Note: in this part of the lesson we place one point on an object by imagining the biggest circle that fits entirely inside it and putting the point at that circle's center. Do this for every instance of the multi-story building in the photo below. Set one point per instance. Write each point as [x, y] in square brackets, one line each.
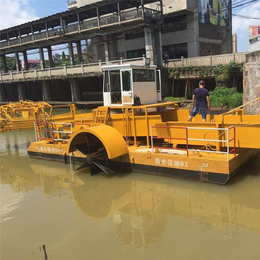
[190, 28]
[254, 38]
[79, 3]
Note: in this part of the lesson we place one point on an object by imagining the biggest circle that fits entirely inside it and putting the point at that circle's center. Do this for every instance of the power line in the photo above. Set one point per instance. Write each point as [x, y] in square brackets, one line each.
[246, 17]
[235, 5]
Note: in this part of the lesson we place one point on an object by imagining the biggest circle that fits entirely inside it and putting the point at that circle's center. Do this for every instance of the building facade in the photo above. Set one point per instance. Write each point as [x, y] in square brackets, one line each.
[254, 38]
[190, 28]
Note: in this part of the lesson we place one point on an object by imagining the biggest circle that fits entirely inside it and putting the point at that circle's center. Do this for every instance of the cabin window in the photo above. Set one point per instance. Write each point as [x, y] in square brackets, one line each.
[115, 80]
[106, 82]
[126, 79]
[158, 82]
[143, 75]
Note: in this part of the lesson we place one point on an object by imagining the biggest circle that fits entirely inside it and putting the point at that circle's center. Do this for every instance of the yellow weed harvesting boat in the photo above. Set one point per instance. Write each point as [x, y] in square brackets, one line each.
[135, 132]
[22, 115]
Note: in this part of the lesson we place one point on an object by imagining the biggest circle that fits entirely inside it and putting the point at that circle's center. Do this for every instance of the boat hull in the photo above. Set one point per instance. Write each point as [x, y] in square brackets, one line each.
[204, 168]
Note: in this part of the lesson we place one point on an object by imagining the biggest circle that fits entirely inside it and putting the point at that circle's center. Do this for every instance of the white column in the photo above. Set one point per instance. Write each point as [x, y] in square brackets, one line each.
[148, 37]
[71, 53]
[42, 58]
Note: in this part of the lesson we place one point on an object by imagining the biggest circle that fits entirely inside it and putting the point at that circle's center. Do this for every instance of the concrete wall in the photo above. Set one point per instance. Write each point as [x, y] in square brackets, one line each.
[171, 6]
[129, 45]
[185, 36]
[86, 2]
[254, 44]
[252, 83]
[188, 36]
[192, 5]
[201, 39]
[219, 37]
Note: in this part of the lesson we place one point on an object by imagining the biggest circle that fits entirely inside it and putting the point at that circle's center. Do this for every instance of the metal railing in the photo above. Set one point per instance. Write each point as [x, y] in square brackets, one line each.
[31, 75]
[152, 14]
[130, 14]
[187, 139]
[60, 132]
[109, 19]
[81, 123]
[213, 60]
[43, 127]
[52, 131]
[85, 25]
[170, 138]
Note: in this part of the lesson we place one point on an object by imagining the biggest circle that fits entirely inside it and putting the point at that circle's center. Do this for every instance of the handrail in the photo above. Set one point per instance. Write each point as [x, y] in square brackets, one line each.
[53, 133]
[227, 141]
[62, 131]
[213, 60]
[171, 138]
[14, 76]
[63, 30]
[38, 130]
[237, 108]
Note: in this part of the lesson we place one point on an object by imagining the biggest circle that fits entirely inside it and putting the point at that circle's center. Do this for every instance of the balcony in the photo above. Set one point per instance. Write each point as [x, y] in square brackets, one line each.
[73, 71]
[88, 25]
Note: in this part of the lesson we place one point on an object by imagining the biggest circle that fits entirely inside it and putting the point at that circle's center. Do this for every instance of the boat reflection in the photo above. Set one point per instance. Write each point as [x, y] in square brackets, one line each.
[142, 206]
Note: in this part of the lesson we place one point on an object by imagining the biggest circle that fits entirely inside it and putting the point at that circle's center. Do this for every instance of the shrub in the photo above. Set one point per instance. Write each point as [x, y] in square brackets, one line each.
[222, 96]
[174, 99]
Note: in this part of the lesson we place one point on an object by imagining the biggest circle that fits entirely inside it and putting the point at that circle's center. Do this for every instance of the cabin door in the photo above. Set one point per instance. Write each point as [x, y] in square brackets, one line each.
[106, 89]
[115, 87]
[112, 93]
[127, 88]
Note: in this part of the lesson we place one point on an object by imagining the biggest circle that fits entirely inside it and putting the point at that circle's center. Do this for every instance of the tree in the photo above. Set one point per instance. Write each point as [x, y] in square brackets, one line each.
[64, 61]
[10, 62]
[63, 56]
[47, 64]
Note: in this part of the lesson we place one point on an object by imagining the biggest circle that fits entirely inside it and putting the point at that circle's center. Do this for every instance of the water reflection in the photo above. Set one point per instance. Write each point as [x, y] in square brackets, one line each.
[141, 206]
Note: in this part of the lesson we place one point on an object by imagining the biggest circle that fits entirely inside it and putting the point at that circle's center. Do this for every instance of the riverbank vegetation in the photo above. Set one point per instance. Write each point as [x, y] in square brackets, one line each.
[224, 74]
[219, 97]
[175, 99]
[222, 96]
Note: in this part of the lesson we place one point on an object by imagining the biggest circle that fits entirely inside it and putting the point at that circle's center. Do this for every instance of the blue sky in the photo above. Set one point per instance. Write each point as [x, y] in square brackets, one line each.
[14, 12]
[49, 7]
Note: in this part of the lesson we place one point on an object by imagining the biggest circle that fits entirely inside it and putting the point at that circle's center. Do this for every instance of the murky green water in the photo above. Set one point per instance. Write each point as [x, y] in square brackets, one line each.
[130, 216]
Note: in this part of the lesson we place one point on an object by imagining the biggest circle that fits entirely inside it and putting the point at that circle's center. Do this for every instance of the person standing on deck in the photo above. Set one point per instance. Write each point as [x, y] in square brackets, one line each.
[202, 102]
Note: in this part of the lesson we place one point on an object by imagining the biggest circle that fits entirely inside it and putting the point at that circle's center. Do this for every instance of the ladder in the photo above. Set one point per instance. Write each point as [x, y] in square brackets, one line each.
[101, 116]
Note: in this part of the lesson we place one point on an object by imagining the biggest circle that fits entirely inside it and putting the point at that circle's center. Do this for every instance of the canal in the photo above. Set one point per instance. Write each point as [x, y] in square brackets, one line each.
[126, 216]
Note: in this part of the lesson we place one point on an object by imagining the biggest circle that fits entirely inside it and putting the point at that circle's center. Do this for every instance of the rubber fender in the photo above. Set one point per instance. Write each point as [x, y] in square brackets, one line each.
[112, 140]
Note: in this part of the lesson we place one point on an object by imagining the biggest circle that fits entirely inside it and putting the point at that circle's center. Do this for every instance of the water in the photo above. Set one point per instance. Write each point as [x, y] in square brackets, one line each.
[128, 216]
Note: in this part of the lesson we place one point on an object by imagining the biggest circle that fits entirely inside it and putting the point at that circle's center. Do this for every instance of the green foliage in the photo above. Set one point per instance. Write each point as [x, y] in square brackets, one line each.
[174, 73]
[222, 96]
[63, 56]
[47, 64]
[64, 61]
[10, 62]
[175, 99]
[225, 73]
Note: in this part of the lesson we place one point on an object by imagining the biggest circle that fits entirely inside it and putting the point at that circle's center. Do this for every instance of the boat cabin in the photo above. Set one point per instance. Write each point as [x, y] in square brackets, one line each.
[128, 85]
